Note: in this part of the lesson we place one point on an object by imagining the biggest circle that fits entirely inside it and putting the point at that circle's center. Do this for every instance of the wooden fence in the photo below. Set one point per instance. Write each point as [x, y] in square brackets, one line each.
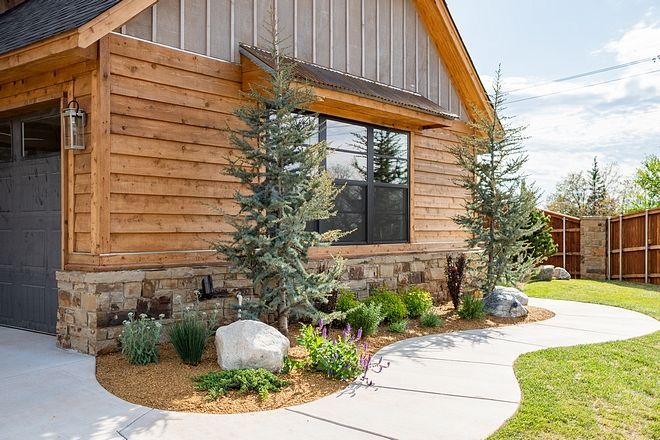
[634, 247]
[566, 233]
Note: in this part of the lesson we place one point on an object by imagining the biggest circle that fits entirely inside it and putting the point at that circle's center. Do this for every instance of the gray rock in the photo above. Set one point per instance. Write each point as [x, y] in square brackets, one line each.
[544, 273]
[560, 273]
[520, 296]
[250, 344]
[503, 305]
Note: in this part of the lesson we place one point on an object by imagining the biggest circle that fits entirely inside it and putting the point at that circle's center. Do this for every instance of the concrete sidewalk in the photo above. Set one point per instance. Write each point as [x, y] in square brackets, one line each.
[456, 385]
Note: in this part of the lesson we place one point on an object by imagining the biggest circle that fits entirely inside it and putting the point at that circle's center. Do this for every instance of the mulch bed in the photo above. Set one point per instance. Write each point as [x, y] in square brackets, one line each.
[168, 385]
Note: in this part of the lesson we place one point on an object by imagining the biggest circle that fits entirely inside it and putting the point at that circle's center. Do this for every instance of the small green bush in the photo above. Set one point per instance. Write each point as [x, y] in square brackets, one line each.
[398, 327]
[339, 358]
[218, 383]
[190, 334]
[139, 339]
[391, 304]
[417, 301]
[366, 317]
[471, 308]
[346, 301]
[431, 319]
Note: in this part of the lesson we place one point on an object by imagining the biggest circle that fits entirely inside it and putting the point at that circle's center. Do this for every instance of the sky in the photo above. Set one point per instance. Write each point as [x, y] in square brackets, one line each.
[539, 41]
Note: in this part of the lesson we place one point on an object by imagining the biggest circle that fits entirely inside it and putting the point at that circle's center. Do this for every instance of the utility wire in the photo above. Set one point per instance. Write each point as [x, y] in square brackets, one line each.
[591, 72]
[583, 87]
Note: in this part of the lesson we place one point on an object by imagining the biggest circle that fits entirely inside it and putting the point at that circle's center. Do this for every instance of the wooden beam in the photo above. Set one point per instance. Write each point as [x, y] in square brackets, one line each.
[40, 50]
[109, 20]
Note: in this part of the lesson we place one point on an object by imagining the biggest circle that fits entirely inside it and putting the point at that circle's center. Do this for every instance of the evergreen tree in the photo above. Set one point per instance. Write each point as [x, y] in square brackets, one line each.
[540, 242]
[597, 191]
[499, 203]
[285, 188]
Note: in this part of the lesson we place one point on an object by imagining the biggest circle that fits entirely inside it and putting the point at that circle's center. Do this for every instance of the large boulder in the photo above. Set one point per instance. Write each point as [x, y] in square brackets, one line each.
[544, 273]
[520, 296]
[560, 273]
[250, 344]
[504, 305]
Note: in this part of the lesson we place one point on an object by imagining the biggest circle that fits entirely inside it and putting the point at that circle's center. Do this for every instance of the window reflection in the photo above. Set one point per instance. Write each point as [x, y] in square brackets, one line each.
[5, 141]
[41, 136]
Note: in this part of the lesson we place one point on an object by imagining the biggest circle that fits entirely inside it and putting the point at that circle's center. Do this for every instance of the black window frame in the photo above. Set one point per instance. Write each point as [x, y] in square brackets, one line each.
[370, 183]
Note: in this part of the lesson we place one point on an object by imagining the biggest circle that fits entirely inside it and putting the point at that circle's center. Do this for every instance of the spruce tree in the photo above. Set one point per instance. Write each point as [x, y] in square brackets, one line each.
[499, 203]
[285, 188]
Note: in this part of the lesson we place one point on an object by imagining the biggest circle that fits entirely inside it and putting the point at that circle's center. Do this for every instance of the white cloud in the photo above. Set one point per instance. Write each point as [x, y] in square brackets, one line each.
[617, 122]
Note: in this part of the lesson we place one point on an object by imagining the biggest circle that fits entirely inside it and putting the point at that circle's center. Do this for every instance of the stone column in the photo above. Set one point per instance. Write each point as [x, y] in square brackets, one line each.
[593, 248]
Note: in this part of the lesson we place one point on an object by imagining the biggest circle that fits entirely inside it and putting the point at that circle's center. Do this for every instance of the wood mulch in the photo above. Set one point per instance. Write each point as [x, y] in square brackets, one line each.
[168, 385]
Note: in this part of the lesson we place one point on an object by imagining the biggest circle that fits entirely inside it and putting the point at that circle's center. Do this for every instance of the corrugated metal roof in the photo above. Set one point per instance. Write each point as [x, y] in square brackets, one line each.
[335, 79]
[36, 20]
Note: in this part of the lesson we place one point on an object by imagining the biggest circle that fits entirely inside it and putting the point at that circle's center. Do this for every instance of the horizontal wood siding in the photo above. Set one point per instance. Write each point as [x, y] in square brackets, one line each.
[169, 153]
[168, 148]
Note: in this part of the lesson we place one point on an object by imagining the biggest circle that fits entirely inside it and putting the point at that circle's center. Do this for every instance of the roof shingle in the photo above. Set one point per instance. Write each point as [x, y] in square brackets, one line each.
[36, 20]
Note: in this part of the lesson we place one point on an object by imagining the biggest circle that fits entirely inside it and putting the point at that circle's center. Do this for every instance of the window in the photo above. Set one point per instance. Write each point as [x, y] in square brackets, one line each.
[372, 165]
[30, 135]
[5, 141]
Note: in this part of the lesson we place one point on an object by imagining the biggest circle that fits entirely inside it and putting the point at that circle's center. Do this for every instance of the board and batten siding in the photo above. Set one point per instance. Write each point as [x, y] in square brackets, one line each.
[169, 153]
[383, 40]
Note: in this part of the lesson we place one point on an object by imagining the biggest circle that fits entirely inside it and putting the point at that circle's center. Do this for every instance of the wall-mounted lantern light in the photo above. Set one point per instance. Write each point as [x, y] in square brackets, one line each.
[73, 122]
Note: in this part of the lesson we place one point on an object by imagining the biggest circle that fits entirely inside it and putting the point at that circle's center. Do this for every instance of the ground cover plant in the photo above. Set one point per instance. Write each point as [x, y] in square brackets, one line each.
[471, 307]
[607, 390]
[219, 383]
[430, 319]
[139, 339]
[398, 327]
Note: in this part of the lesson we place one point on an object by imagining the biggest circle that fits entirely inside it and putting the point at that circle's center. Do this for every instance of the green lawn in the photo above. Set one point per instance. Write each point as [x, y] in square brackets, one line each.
[601, 391]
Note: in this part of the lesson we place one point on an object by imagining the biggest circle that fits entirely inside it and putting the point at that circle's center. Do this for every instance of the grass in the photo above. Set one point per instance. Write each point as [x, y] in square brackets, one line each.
[643, 298]
[600, 391]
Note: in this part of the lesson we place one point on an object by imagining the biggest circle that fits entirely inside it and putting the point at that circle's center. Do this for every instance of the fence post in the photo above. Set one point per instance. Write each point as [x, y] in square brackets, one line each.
[563, 242]
[609, 248]
[646, 246]
[620, 247]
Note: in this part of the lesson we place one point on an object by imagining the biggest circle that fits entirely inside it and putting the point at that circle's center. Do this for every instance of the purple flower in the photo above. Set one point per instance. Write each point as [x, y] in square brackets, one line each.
[359, 334]
[321, 324]
[324, 333]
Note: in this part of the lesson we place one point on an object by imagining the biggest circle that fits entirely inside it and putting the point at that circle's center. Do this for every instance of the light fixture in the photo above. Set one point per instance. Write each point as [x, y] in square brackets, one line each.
[73, 121]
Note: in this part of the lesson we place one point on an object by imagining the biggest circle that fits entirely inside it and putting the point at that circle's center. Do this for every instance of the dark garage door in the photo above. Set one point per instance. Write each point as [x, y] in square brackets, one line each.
[29, 220]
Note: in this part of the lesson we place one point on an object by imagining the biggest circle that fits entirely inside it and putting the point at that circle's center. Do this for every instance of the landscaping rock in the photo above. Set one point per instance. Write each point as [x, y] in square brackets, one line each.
[250, 344]
[503, 305]
[520, 296]
[544, 273]
[560, 273]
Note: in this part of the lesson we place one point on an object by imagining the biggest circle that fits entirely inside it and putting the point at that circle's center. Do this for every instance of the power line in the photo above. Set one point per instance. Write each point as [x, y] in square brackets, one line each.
[589, 73]
[583, 87]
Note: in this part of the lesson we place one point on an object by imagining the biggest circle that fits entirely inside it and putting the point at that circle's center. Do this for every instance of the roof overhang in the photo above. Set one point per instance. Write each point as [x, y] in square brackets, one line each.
[349, 96]
[77, 39]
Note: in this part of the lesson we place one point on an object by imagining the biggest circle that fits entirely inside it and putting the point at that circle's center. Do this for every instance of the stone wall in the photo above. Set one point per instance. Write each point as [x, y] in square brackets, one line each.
[593, 248]
[93, 305]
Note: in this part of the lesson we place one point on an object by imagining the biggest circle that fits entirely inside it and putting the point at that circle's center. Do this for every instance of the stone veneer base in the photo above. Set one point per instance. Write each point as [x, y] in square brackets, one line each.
[93, 305]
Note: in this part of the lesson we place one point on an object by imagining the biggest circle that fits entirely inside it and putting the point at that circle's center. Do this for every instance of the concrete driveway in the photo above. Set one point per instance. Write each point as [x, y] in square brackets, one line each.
[456, 385]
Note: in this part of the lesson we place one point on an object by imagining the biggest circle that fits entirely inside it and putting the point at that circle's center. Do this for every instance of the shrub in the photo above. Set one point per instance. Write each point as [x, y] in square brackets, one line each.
[189, 335]
[398, 327]
[339, 358]
[471, 308]
[392, 305]
[218, 383]
[139, 339]
[417, 301]
[346, 301]
[366, 317]
[454, 274]
[431, 319]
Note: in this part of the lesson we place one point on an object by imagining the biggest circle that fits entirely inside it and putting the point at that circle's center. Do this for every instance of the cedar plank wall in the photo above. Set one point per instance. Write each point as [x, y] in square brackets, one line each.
[168, 154]
[67, 78]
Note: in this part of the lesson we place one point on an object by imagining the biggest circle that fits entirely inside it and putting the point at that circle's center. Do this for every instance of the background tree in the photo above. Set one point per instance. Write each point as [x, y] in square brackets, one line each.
[647, 183]
[594, 192]
[540, 242]
[285, 188]
[499, 203]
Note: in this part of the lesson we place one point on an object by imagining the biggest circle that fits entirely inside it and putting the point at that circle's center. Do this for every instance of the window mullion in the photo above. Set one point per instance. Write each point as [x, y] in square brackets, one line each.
[370, 184]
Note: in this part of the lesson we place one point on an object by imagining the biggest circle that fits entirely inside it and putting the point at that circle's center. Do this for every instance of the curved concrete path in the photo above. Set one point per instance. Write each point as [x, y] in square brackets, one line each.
[455, 385]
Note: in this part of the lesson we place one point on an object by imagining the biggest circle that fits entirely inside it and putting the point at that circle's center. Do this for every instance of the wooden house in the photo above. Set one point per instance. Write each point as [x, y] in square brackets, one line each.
[87, 235]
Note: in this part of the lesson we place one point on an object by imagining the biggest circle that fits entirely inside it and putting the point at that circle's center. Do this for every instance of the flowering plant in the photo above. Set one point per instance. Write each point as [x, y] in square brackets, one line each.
[139, 339]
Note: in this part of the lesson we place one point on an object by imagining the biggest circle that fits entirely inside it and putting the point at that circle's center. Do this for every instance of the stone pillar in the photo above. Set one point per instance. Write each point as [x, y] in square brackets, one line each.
[593, 248]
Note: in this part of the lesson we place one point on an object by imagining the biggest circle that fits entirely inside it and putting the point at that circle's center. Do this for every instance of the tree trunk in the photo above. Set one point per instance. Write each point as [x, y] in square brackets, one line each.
[283, 323]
